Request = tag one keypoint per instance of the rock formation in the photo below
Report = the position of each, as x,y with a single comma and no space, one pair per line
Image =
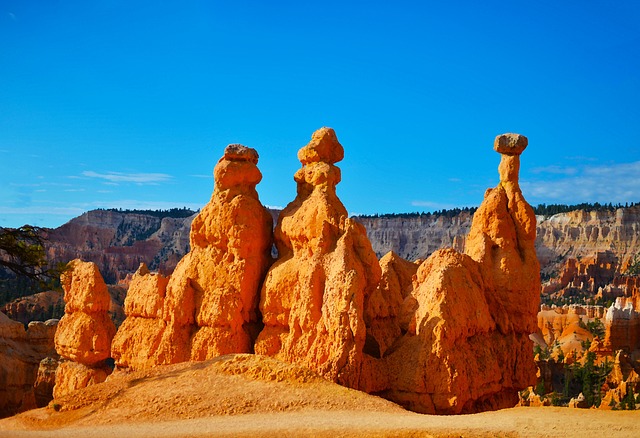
383,308
467,347
119,241
20,354
136,343
209,305
37,307
85,332
622,326
312,301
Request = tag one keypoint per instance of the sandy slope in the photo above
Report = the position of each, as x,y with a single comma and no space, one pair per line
246,395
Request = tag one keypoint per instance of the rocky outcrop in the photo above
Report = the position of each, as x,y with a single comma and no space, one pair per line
578,234
417,236
20,354
383,308
622,326
84,334
45,381
312,301
137,340
209,305
119,241
467,347
37,307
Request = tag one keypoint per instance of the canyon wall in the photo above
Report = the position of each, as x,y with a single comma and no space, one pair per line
119,241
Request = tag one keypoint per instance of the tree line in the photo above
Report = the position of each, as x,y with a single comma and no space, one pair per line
171,212
540,210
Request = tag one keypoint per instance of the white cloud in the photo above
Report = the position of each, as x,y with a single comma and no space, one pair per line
139,178
606,183
32,210
432,205
13,16
555,170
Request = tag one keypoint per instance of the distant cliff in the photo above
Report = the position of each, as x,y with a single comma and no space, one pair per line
118,241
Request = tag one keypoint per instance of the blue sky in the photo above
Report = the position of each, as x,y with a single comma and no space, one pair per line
130,104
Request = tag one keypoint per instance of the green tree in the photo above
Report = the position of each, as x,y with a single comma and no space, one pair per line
23,263
22,251
634,266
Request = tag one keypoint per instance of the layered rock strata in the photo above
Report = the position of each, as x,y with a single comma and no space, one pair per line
84,334
467,346
312,301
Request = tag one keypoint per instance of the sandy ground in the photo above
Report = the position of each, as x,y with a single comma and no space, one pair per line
252,396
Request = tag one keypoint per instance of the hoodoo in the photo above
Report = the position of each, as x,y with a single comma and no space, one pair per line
84,334
467,348
313,297
208,307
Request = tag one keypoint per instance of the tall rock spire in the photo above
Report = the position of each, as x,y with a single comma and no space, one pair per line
313,297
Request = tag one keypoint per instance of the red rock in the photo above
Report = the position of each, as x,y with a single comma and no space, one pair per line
136,343
312,300
85,332
467,348
20,354
383,307
502,240
209,305
73,375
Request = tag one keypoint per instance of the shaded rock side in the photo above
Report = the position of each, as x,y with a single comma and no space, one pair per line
312,301
209,305
467,347
85,332
20,354
383,308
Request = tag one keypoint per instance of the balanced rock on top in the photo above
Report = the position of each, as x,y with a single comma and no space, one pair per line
211,303
313,297
467,347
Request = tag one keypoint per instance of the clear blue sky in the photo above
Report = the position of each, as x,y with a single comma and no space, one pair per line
130,104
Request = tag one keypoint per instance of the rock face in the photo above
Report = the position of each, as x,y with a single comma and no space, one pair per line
20,354
37,307
384,307
85,332
136,343
312,301
209,305
119,241
622,326
467,346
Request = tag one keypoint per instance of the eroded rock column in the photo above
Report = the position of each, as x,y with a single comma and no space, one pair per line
466,347
84,334
211,303
313,297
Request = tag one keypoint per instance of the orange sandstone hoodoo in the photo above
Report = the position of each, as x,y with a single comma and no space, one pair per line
208,307
468,318
83,336
313,297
